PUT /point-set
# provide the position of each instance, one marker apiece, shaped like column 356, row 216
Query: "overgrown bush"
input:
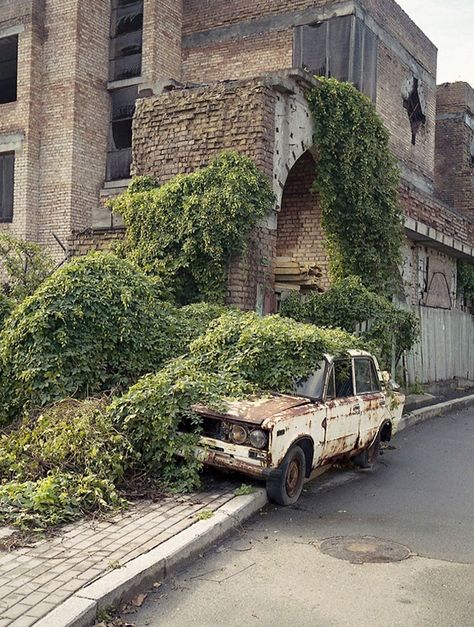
column 357, row 181
column 187, row 230
column 95, row 324
column 62, row 464
column 347, row 305
column 269, row 352
column 25, row 266
column 157, row 418
column 191, row 321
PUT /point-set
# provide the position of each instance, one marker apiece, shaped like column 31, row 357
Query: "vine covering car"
column 344, row 409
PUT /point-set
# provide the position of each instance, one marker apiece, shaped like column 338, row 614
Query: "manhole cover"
column 363, row 549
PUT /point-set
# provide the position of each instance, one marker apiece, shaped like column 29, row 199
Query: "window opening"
column 8, row 69
column 120, row 134
column 365, row 376
column 312, row 386
column 343, row 378
column 7, row 180
column 415, row 109
column 343, row 48
column 126, row 39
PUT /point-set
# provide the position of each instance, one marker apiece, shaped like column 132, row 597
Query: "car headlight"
column 258, row 438
column 238, row 434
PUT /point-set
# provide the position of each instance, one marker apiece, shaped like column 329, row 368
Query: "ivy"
column 25, row 266
column 187, row 230
column 349, row 305
column 466, row 282
column 96, row 324
column 357, row 181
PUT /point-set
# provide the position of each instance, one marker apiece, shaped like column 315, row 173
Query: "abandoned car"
column 345, row 409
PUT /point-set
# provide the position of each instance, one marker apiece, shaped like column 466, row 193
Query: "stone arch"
column 301, row 258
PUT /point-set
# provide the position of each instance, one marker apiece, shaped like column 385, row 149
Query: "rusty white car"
column 345, row 409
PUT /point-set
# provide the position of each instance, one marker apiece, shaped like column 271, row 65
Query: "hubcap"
column 292, row 477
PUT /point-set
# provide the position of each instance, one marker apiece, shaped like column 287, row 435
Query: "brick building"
column 215, row 74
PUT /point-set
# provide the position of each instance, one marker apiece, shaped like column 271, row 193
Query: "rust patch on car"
column 256, row 410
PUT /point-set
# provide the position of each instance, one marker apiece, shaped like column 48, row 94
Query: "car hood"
column 256, row 410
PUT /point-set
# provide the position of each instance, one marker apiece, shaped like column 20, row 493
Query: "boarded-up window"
column 7, row 178
column 120, row 140
column 126, row 39
column 343, row 48
column 8, row 68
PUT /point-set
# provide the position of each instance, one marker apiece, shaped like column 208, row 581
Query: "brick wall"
column 299, row 231
column 81, row 243
column 162, row 39
column 434, row 213
column 183, row 130
column 239, row 58
column 404, row 52
column 455, row 145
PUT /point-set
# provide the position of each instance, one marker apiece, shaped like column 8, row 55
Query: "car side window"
column 343, row 383
column 366, row 378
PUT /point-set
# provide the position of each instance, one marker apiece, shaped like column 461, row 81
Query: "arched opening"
column 302, row 262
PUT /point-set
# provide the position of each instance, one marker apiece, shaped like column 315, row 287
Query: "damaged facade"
column 93, row 91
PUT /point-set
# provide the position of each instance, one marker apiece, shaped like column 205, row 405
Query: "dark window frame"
column 126, row 43
column 9, row 84
column 375, row 383
column 360, row 38
column 7, row 191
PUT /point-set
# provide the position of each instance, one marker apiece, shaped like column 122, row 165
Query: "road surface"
column 417, row 504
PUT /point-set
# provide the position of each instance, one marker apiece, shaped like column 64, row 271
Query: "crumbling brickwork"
column 455, row 145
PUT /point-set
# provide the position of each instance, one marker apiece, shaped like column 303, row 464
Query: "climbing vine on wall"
column 466, row 282
column 187, row 230
column 357, row 181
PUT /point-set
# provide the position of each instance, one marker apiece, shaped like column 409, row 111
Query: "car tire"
column 287, row 487
column 368, row 457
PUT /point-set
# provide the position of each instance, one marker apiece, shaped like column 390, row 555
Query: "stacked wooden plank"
column 292, row 274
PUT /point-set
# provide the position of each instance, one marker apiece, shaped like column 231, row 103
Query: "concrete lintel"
column 277, row 22
column 11, row 142
column 419, row 181
column 422, row 233
column 467, row 118
column 12, row 30
column 286, row 80
column 127, row 82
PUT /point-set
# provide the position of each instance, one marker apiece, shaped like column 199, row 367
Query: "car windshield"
column 313, row 385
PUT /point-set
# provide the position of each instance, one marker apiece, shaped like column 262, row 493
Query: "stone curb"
column 425, row 413
column 121, row 585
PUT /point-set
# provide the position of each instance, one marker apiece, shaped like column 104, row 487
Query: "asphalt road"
column 275, row 571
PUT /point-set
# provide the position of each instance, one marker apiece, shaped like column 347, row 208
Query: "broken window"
column 7, row 177
column 343, row 48
column 8, row 68
column 414, row 103
column 120, row 139
column 126, row 39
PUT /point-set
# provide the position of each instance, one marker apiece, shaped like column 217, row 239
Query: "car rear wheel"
column 287, row 488
column 369, row 456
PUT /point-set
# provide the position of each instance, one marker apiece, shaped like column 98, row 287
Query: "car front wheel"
column 287, row 487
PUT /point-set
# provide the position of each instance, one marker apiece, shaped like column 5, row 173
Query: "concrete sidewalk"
column 90, row 566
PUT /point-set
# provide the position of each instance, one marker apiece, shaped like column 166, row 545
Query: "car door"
column 342, row 410
column 371, row 399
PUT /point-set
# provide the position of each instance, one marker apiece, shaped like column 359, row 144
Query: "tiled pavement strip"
column 35, row 580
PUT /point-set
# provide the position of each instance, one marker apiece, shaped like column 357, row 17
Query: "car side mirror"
column 390, row 383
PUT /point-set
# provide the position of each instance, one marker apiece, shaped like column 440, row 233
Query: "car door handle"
column 356, row 409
